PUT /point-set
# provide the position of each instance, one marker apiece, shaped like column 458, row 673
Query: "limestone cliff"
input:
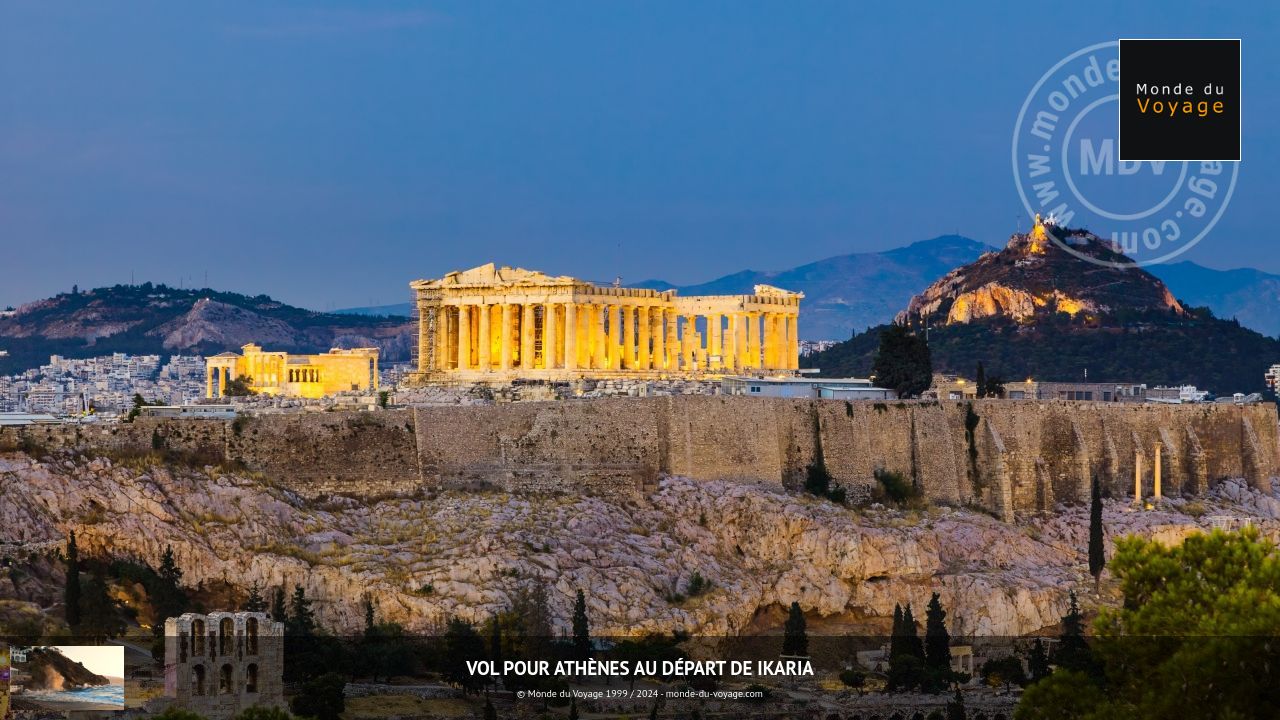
column 1035, row 276
column 428, row 556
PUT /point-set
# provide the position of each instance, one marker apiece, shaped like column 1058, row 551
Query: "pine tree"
column 581, row 629
column 1073, row 652
column 170, row 600
column 71, row 597
column 1097, row 553
column 255, row 602
column 278, row 611
column 1038, row 662
column 302, row 621
column 795, row 640
column 937, row 645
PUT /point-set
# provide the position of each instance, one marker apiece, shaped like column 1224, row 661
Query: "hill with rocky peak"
column 155, row 319
column 1033, row 276
column 1034, row 309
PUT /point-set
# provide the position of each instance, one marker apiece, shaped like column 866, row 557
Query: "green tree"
column 1004, row 671
column 1037, row 662
column 906, row 654
column 1193, row 638
column 255, row 602
column 168, row 597
column 581, row 629
column 71, row 594
column 937, row 646
column 321, row 698
column 240, row 386
column 462, row 644
column 795, row 638
column 98, row 613
column 301, row 621
column 903, row 363
column 1073, row 652
column 1097, row 551
column 278, row 608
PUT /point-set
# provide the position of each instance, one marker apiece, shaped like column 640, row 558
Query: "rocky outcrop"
column 428, row 557
column 49, row 669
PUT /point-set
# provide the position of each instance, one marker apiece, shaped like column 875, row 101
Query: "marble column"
column 550, row 341
column 792, row 341
column 485, row 344
column 444, row 338
column 753, row 340
column 208, row 381
column 614, row 360
column 505, row 339
column 464, row 337
column 628, row 337
column 769, row 340
column 570, row 336
column 673, row 340
column 642, row 343
column 730, row 345
column 424, row 320
column 599, row 341
column 658, row 329
column 527, row 327
column 715, row 344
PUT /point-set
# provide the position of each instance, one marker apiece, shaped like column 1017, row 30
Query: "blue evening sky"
column 328, row 153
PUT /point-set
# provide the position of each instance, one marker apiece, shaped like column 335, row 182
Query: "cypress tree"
column 368, row 616
column 895, row 639
column 911, row 634
column 302, row 621
column 937, row 645
column 981, row 381
column 71, row 597
column 1038, row 662
column 1097, row 554
column 581, row 629
column 795, row 639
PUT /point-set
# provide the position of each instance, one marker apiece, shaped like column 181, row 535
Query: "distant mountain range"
column 155, row 319
column 849, row 293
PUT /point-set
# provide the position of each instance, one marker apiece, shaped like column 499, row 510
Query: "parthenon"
column 497, row 324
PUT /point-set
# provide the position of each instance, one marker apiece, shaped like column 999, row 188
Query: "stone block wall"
column 1009, row 456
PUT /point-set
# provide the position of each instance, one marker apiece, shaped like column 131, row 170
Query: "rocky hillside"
column 49, row 669
column 1034, row 278
column 465, row 554
column 1033, row 309
column 155, row 319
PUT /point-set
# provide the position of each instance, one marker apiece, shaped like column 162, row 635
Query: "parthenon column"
column 642, row 345
column 424, row 363
column 793, row 341
column 504, row 336
column 570, row 336
column 599, row 349
column 550, row 347
column 614, row 361
column 769, row 339
column 753, row 340
column 527, row 323
column 628, row 337
column 658, row 332
column 485, row 343
column 464, row 337
column 729, row 347
column 715, row 346
column 443, row 338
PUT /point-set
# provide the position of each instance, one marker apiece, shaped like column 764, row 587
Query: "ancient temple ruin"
column 499, row 324
column 219, row 664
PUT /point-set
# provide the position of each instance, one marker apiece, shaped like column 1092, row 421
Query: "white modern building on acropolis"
column 498, row 324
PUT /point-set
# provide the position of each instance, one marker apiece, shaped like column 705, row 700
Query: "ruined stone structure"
column 1009, row 456
column 219, row 664
column 491, row 324
column 280, row 373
